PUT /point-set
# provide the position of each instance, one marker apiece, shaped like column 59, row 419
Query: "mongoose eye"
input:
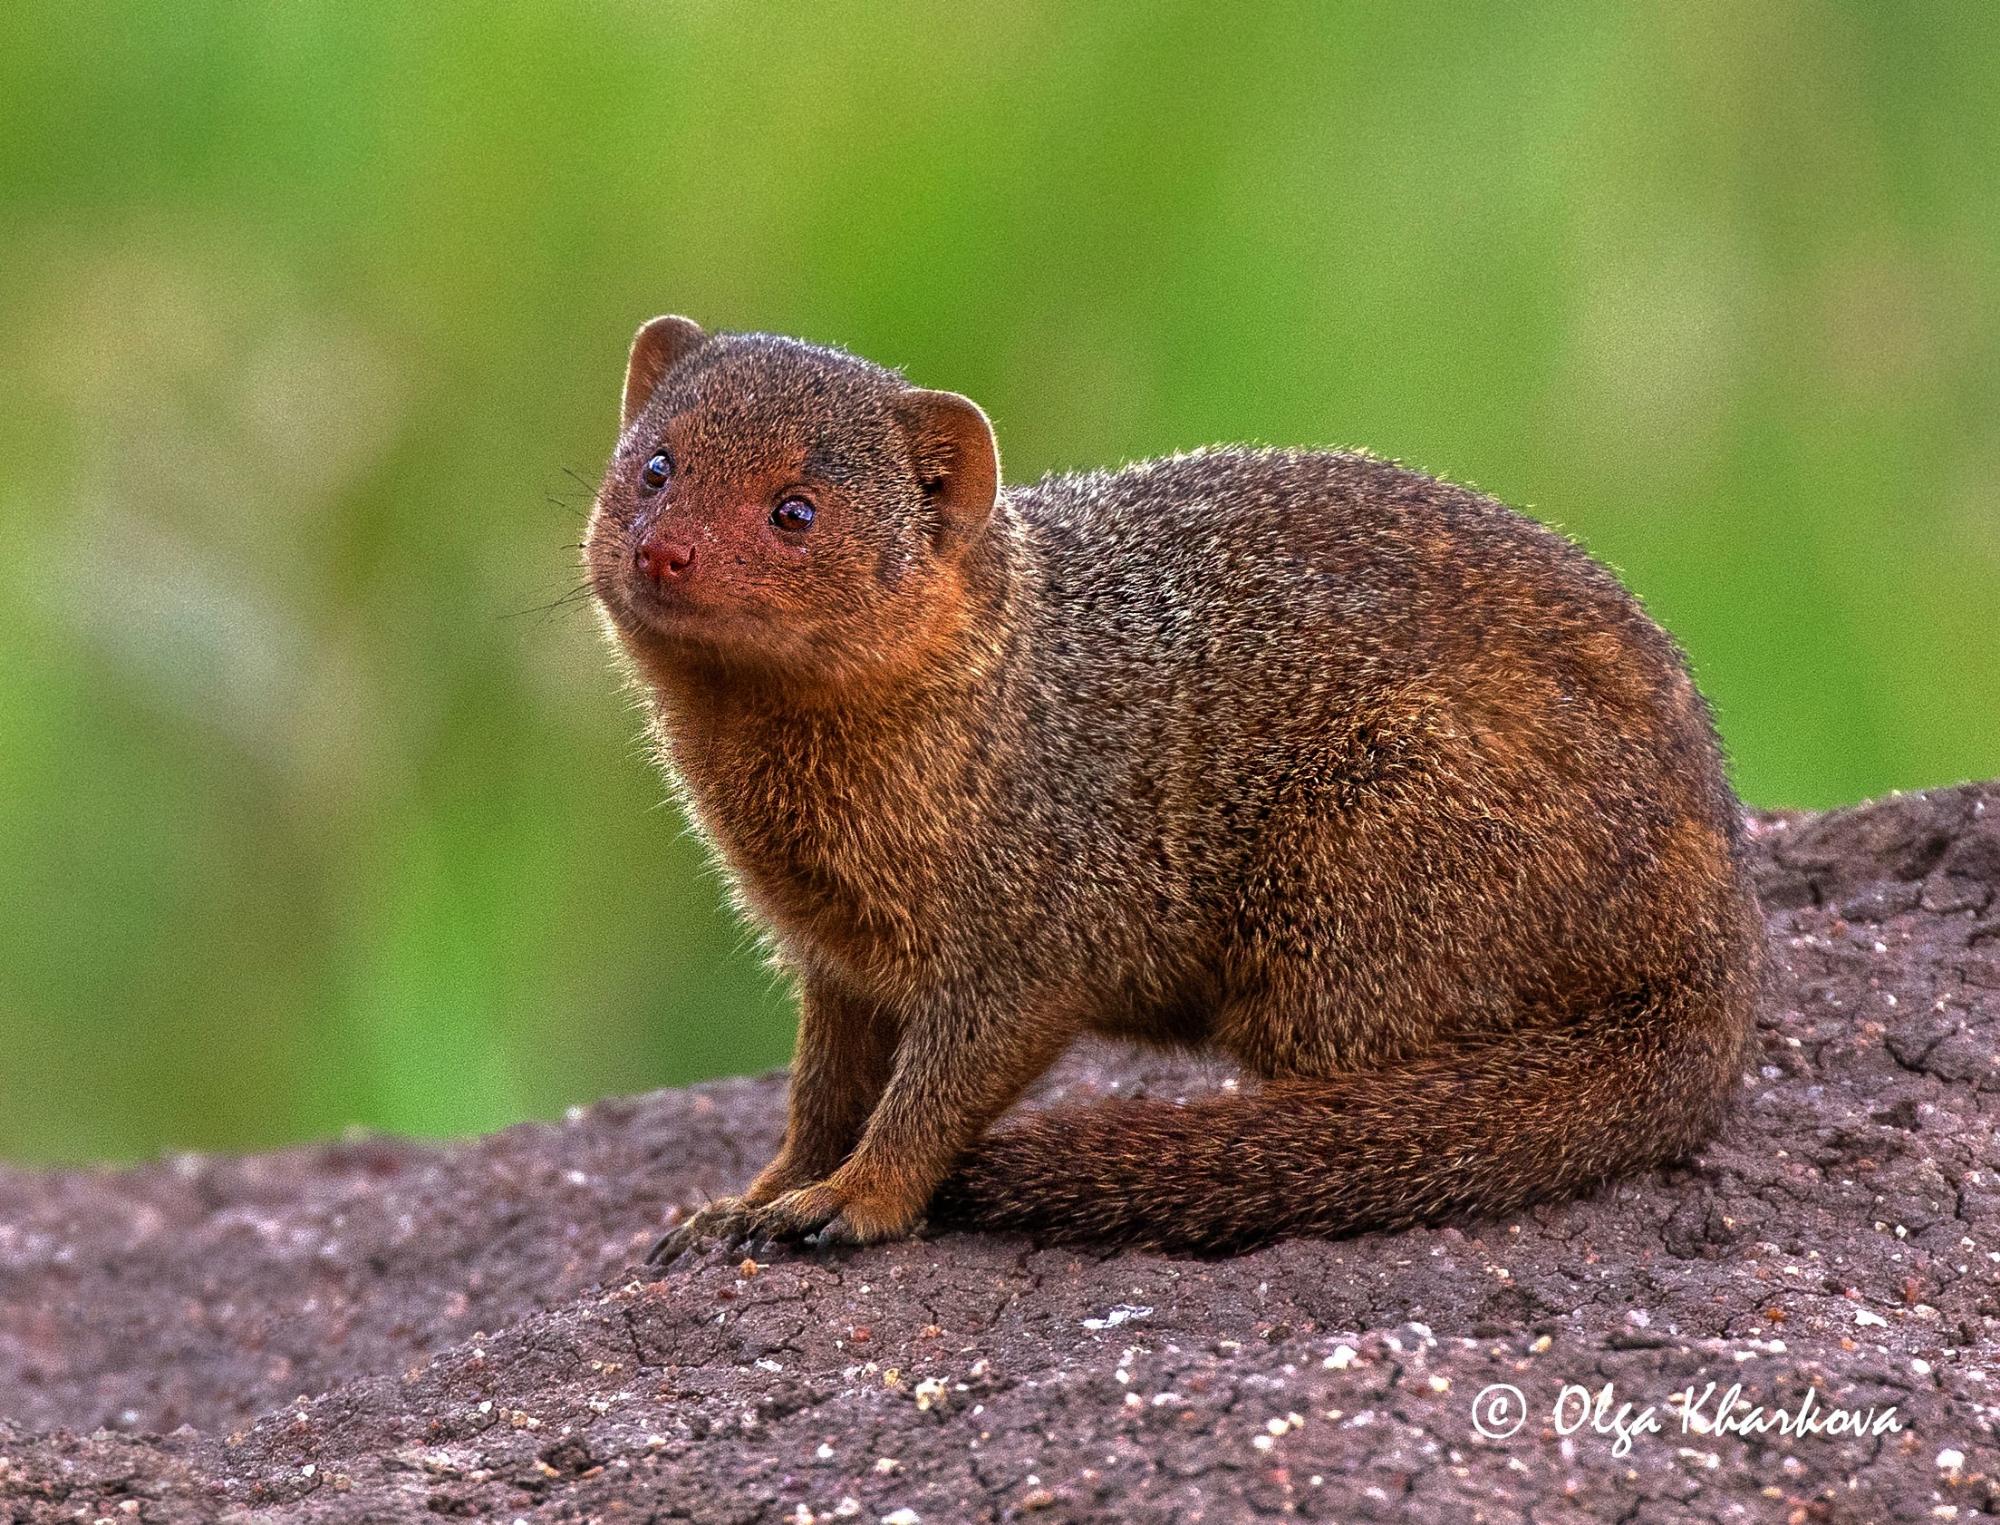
column 793, row 514
column 653, row 475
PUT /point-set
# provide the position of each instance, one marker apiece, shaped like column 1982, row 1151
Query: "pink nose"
column 662, row 559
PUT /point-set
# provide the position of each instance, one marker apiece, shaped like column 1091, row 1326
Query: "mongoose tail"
column 1538, row 1115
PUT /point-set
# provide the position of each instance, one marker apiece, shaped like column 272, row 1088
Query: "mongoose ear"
column 657, row 348
column 957, row 459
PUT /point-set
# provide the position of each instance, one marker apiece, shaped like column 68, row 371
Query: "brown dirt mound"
column 379, row 1330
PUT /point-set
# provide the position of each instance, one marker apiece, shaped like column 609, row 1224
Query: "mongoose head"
column 775, row 504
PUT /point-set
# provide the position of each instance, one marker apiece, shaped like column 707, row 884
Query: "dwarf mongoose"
column 1359, row 778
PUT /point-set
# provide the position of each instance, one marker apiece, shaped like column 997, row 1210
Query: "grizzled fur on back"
column 1212, row 643
column 1370, row 783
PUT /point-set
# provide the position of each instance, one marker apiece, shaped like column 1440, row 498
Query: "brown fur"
column 1357, row 777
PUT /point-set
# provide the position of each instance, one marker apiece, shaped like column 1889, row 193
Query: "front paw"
column 728, row 1219
column 836, row 1216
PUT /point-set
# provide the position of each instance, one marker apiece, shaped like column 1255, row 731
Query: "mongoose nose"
column 662, row 559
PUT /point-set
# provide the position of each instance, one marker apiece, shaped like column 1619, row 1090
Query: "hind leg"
column 1369, row 935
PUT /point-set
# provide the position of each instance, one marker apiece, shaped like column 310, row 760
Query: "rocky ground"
column 388, row 1331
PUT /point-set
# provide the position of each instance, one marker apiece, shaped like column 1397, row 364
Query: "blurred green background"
column 312, row 318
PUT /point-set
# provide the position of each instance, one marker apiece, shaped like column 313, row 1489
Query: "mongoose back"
column 1361, row 779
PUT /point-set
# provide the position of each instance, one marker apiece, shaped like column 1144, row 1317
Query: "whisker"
column 576, row 595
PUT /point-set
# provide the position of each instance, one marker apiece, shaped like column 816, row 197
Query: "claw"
column 839, row 1231
column 853, row 1227
column 676, row 1242
column 797, row 1214
column 726, row 1219
column 820, row 1210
